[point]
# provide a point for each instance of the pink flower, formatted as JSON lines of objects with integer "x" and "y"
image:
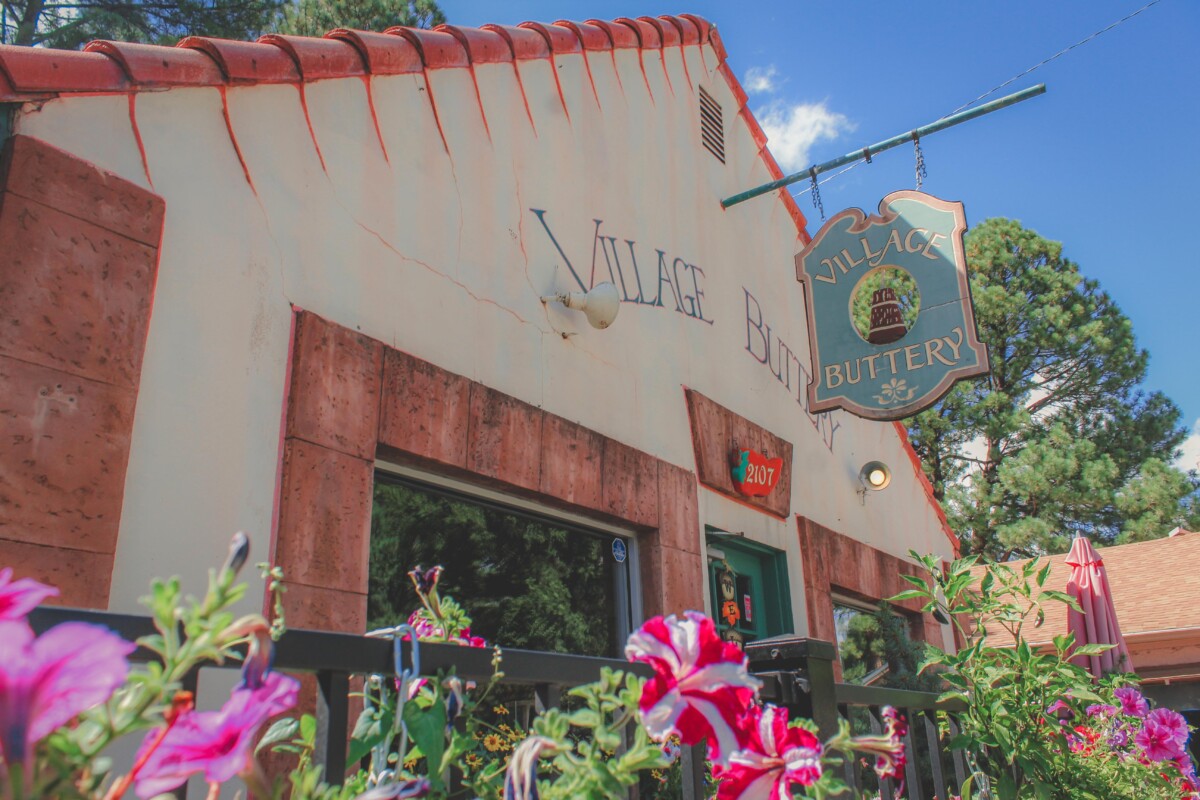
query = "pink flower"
{"x": 1132, "y": 702}
{"x": 775, "y": 758}
{"x": 217, "y": 743}
{"x": 701, "y": 686}
{"x": 48, "y": 681}
{"x": 1163, "y": 735}
{"x": 1169, "y": 723}
{"x": 888, "y": 749}
{"x": 18, "y": 598}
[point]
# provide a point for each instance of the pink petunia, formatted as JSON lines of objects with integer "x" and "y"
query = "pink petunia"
{"x": 19, "y": 597}
{"x": 774, "y": 759}
{"x": 217, "y": 743}
{"x": 1133, "y": 704}
{"x": 701, "y": 686}
{"x": 48, "y": 681}
{"x": 1169, "y": 723}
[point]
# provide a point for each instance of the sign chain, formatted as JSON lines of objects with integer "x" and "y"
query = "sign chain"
{"x": 816, "y": 193}
{"x": 921, "y": 173}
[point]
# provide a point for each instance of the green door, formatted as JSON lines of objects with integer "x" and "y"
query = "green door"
{"x": 749, "y": 589}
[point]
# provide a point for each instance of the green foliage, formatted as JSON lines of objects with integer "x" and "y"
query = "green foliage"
{"x": 317, "y": 17}
{"x": 1058, "y": 439}
{"x": 883, "y": 637}
{"x": 1014, "y": 741}
{"x": 900, "y": 281}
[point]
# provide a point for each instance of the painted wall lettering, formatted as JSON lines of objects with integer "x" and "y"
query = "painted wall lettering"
{"x": 661, "y": 281}
{"x": 773, "y": 353}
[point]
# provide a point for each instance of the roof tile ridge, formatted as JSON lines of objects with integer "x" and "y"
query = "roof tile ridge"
{"x": 438, "y": 49}
{"x": 648, "y": 36}
{"x": 155, "y": 65}
{"x": 689, "y": 31}
{"x": 559, "y": 38}
{"x": 319, "y": 57}
{"x": 621, "y": 37}
{"x": 244, "y": 62}
{"x": 381, "y": 54}
{"x": 591, "y": 35}
{"x": 525, "y": 44}
{"x": 669, "y": 33}
{"x": 40, "y": 72}
{"x": 482, "y": 46}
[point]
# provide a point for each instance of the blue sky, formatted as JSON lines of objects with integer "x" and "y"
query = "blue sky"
{"x": 1105, "y": 162}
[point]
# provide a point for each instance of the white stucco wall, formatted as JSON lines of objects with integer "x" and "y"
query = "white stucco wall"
{"x": 433, "y": 248}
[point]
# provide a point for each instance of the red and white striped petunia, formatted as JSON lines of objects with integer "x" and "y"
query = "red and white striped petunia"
{"x": 775, "y": 757}
{"x": 700, "y": 688}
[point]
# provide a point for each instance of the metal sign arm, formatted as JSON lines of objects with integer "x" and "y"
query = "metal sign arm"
{"x": 887, "y": 144}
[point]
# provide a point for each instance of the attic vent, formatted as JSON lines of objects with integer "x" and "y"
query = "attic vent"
{"x": 712, "y": 125}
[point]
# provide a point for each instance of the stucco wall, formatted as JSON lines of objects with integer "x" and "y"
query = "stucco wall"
{"x": 429, "y": 211}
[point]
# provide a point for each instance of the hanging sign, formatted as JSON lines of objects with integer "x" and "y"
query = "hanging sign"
{"x": 890, "y": 321}
{"x": 755, "y": 475}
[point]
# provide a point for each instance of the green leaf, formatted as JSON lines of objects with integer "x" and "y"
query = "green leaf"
{"x": 1062, "y": 597}
{"x": 373, "y": 727}
{"x": 427, "y": 727}
{"x": 1043, "y": 573}
{"x": 1092, "y": 649}
{"x": 908, "y": 594}
{"x": 281, "y": 730}
{"x": 308, "y": 728}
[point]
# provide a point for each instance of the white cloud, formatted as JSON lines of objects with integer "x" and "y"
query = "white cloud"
{"x": 792, "y": 130}
{"x": 1189, "y": 457}
{"x": 760, "y": 80}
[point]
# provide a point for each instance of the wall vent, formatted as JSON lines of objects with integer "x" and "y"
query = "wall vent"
{"x": 712, "y": 125}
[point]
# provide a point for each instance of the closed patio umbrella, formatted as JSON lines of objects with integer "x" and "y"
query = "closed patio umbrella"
{"x": 1097, "y": 624}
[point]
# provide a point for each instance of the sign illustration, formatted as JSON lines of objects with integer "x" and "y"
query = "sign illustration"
{"x": 755, "y": 475}
{"x": 890, "y": 321}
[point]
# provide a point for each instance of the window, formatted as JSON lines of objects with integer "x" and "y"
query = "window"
{"x": 863, "y": 639}
{"x": 529, "y": 578}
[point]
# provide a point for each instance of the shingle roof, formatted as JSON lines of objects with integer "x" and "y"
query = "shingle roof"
{"x": 1155, "y": 586}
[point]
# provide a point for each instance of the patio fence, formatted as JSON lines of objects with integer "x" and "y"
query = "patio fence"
{"x": 797, "y": 673}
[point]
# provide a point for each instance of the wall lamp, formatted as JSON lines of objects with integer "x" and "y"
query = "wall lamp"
{"x": 873, "y": 477}
{"x": 600, "y": 304}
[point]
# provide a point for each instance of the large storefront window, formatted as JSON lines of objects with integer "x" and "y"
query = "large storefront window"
{"x": 864, "y": 635}
{"x": 528, "y": 579}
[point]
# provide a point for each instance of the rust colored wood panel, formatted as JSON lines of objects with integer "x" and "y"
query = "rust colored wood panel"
{"x": 334, "y": 396}
{"x": 76, "y": 296}
{"x": 62, "y": 474}
{"x": 717, "y": 433}
{"x": 425, "y": 410}
{"x": 504, "y": 441}
{"x": 82, "y": 577}
{"x": 571, "y": 462}
{"x": 36, "y": 171}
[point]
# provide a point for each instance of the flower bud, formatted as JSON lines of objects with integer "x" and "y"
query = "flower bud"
{"x": 239, "y": 551}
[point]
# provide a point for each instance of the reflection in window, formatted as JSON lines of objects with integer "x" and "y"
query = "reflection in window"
{"x": 527, "y": 582}
{"x": 861, "y": 645}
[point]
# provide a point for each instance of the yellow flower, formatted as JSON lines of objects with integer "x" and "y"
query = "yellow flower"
{"x": 502, "y": 710}
{"x": 494, "y": 743}
{"x": 473, "y": 761}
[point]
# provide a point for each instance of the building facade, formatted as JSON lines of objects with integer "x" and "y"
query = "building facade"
{"x": 251, "y": 286}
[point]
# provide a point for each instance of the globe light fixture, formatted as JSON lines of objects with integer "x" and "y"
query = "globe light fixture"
{"x": 874, "y": 476}
{"x": 599, "y": 304}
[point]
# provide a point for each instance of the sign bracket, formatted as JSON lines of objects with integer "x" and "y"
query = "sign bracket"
{"x": 868, "y": 152}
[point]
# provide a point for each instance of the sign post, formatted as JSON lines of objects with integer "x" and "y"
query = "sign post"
{"x": 890, "y": 321}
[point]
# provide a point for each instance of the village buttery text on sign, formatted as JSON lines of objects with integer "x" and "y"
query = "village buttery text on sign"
{"x": 890, "y": 321}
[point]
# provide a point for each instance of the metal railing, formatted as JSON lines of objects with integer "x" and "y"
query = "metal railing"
{"x": 796, "y": 673}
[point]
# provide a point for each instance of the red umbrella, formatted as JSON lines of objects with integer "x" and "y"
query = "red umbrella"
{"x": 1097, "y": 624}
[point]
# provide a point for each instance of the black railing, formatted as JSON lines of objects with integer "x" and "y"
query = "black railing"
{"x": 796, "y": 672}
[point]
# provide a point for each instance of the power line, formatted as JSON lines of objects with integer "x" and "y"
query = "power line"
{"x": 1000, "y": 86}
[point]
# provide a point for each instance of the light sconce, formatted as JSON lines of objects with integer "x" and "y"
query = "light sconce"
{"x": 874, "y": 477}
{"x": 600, "y": 304}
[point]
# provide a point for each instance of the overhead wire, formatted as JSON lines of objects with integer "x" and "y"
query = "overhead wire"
{"x": 1000, "y": 86}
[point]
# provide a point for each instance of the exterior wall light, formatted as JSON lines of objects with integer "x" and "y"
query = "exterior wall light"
{"x": 600, "y": 304}
{"x": 874, "y": 476}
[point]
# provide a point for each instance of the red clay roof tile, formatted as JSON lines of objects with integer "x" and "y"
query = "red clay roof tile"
{"x": 482, "y": 46}
{"x": 319, "y": 58}
{"x": 151, "y": 65}
{"x": 246, "y": 62}
{"x": 36, "y": 69}
{"x": 590, "y": 34}
{"x": 525, "y": 44}
{"x": 382, "y": 54}
{"x": 668, "y": 34}
{"x": 560, "y": 39}
{"x": 689, "y": 31}
{"x": 647, "y": 35}
{"x": 438, "y": 49}
{"x": 622, "y": 37}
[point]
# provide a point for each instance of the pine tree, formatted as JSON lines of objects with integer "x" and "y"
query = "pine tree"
{"x": 1060, "y": 439}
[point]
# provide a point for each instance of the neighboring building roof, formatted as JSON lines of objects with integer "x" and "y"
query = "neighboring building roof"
{"x": 1155, "y": 586}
